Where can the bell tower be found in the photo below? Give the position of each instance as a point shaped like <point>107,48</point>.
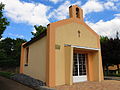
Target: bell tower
<point>76,12</point>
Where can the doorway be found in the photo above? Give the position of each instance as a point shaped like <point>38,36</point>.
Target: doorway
<point>79,67</point>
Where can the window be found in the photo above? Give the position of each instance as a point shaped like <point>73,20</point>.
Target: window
<point>77,12</point>
<point>27,53</point>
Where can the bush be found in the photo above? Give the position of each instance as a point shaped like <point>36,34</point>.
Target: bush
<point>8,63</point>
<point>6,74</point>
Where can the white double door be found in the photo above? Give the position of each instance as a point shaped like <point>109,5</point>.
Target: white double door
<point>79,67</point>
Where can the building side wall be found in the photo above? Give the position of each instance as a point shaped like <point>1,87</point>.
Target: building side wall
<point>36,60</point>
<point>68,34</point>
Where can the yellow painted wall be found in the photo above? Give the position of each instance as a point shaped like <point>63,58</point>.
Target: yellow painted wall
<point>68,34</point>
<point>60,66</point>
<point>68,65</point>
<point>95,70</point>
<point>90,67</point>
<point>37,60</point>
<point>97,66</point>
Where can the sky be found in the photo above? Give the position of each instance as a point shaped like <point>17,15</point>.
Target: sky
<point>103,16</point>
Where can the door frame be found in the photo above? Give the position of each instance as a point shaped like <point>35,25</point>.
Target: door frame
<point>69,50</point>
<point>84,76</point>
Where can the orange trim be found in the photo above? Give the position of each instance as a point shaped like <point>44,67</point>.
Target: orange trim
<point>87,68</point>
<point>90,67</point>
<point>22,59</point>
<point>99,46</point>
<point>72,12</point>
<point>50,62</point>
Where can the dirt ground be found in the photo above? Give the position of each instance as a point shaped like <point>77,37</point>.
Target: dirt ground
<point>104,85</point>
<point>7,84</point>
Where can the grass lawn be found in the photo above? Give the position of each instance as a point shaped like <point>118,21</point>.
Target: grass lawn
<point>6,74</point>
<point>116,75</point>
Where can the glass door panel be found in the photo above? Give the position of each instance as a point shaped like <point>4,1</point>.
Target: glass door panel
<point>79,67</point>
<point>75,65</point>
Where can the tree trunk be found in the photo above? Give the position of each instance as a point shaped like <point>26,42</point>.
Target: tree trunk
<point>107,70</point>
<point>118,68</point>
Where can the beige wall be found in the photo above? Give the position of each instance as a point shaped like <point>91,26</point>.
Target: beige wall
<point>37,60</point>
<point>68,34</point>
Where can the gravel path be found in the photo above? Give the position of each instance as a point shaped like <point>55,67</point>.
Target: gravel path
<point>104,85</point>
<point>7,84</point>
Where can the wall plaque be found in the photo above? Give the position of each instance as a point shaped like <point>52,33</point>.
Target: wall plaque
<point>57,46</point>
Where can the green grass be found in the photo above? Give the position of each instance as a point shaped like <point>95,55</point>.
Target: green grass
<point>6,74</point>
<point>116,75</point>
<point>113,74</point>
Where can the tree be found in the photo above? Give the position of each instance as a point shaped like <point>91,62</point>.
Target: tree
<point>116,51</point>
<point>10,52</point>
<point>3,21</point>
<point>104,49</point>
<point>103,39</point>
<point>110,48</point>
<point>39,29</point>
<point>105,52</point>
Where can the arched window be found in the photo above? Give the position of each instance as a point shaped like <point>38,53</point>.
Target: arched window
<point>77,12</point>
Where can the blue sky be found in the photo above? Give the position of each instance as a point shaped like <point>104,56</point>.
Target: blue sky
<point>103,16</point>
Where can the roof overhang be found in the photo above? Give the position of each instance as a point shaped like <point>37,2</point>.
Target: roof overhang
<point>81,47</point>
<point>35,39</point>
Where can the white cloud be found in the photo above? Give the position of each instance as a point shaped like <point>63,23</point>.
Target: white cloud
<point>117,15</point>
<point>63,10</point>
<point>106,28</point>
<point>110,5</point>
<point>114,0</point>
<point>92,6</point>
<point>30,13</point>
<point>55,1</point>
<point>16,35</point>
<point>34,30</point>
<point>2,39</point>
<point>97,6</point>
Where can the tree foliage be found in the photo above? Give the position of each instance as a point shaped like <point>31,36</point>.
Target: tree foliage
<point>10,52</point>
<point>39,30</point>
<point>104,49</point>
<point>3,21</point>
<point>110,48</point>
